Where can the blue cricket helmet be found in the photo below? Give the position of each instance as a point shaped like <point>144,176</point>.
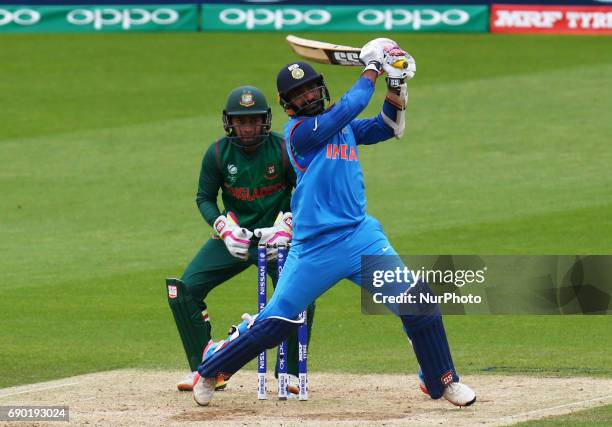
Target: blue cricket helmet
<point>290,78</point>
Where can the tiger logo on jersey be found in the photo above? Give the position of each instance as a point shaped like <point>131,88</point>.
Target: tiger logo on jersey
<point>270,171</point>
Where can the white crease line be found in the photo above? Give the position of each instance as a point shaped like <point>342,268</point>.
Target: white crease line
<point>36,389</point>
<point>557,407</point>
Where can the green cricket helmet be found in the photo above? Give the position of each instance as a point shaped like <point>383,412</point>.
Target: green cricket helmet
<point>246,101</point>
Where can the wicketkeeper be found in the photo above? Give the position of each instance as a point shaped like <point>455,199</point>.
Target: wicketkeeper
<point>251,168</point>
<point>332,230</point>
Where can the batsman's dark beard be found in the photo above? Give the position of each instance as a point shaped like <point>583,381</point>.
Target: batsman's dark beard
<point>313,108</point>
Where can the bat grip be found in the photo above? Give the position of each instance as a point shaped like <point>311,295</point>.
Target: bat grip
<point>401,64</point>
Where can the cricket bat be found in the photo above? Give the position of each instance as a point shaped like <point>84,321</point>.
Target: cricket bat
<point>328,53</point>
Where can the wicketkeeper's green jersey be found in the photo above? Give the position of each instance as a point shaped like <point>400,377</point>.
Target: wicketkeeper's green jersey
<point>254,186</point>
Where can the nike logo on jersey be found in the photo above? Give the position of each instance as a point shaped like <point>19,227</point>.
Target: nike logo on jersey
<point>316,124</point>
<point>386,248</point>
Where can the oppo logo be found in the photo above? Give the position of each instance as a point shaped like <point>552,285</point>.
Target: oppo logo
<point>280,18</point>
<point>127,18</point>
<point>19,17</point>
<point>416,18</point>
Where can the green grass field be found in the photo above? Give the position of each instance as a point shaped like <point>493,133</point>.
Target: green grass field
<point>506,152</point>
<point>600,417</point>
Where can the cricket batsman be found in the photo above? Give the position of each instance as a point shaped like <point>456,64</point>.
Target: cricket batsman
<point>331,229</point>
<point>251,168</point>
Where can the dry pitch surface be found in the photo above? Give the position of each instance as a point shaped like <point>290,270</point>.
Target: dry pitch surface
<point>135,397</point>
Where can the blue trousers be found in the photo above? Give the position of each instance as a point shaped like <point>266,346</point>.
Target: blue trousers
<point>312,267</point>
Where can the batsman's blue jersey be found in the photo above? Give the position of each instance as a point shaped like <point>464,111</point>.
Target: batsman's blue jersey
<point>330,192</point>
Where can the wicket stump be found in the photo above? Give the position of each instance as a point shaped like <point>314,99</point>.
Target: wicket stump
<point>283,377</point>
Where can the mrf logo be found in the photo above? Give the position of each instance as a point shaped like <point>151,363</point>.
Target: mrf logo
<point>527,18</point>
<point>172,291</point>
<point>447,378</point>
<point>342,152</point>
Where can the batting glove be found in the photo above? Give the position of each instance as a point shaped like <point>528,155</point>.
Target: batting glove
<point>247,322</point>
<point>278,235</point>
<point>405,65</point>
<point>373,54</point>
<point>236,239</point>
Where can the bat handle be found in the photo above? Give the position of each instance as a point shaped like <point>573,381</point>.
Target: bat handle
<point>402,64</point>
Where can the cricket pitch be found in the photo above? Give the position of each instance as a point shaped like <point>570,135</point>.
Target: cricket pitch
<point>146,397</point>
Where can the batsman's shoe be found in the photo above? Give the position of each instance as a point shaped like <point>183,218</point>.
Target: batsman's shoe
<point>186,384</point>
<point>220,383</point>
<point>456,393</point>
<point>459,394</point>
<point>203,389</point>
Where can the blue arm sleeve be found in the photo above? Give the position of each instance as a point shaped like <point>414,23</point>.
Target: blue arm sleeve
<point>371,131</point>
<point>313,132</point>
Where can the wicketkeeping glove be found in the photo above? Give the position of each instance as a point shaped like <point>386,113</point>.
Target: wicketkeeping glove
<point>277,235</point>
<point>236,239</point>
